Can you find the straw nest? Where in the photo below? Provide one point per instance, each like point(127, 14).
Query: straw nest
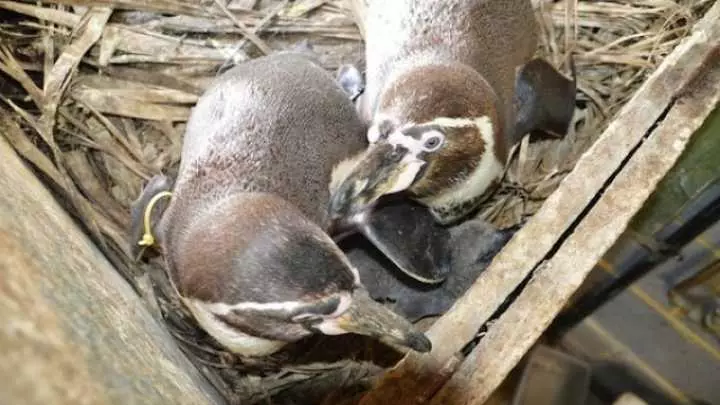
point(95, 98)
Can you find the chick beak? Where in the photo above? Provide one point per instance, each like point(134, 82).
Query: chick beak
point(382, 169)
point(369, 318)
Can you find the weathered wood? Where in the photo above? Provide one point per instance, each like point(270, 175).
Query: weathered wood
point(694, 171)
point(629, 398)
point(73, 331)
point(412, 381)
point(555, 281)
point(697, 168)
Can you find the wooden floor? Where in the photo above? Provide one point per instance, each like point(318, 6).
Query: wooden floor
point(636, 342)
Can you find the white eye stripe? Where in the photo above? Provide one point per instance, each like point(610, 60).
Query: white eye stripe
point(413, 145)
point(345, 302)
point(417, 146)
point(432, 133)
point(373, 134)
point(437, 137)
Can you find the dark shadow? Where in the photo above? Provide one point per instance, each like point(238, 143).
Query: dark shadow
point(612, 379)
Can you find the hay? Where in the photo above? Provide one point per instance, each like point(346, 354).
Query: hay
point(96, 100)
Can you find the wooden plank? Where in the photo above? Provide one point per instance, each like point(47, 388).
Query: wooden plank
point(697, 168)
point(555, 281)
point(416, 377)
point(73, 331)
point(629, 399)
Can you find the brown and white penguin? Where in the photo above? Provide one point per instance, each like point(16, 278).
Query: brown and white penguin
point(241, 228)
point(450, 86)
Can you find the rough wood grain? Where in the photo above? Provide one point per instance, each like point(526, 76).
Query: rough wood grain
point(556, 280)
point(411, 380)
point(73, 331)
point(629, 398)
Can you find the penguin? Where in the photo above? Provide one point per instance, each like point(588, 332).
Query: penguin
point(449, 87)
point(472, 246)
point(405, 232)
point(242, 228)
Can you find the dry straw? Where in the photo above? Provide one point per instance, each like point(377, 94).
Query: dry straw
point(95, 94)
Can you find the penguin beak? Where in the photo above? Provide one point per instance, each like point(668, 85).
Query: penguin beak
point(382, 169)
point(369, 318)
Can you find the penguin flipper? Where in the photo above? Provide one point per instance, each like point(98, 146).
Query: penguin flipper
point(408, 235)
point(544, 99)
point(143, 224)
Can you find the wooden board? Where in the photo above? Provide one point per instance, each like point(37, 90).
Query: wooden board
point(552, 285)
point(418, 377)
point(629, 399)
point(73, 331)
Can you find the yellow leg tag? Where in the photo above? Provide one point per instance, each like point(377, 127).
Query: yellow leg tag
point(148, 239)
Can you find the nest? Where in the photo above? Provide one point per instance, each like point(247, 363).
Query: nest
point(95, 95)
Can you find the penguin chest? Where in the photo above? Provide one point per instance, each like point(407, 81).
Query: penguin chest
point(466, 194)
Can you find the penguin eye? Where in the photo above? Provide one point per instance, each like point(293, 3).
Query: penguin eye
point(433, 142)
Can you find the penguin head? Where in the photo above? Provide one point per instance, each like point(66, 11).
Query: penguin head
point(257, 274)
point(434, 127)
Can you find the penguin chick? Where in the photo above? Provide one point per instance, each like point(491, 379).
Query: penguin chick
point(474, 245)
point(242, 234)
point(440, 99)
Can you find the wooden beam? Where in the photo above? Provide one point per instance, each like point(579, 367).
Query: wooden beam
point(557, 279)
point(73, 331)
point(416, 377)
point(629, 398)
point(697, 168)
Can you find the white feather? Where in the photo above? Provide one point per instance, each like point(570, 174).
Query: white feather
point(488, 169)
